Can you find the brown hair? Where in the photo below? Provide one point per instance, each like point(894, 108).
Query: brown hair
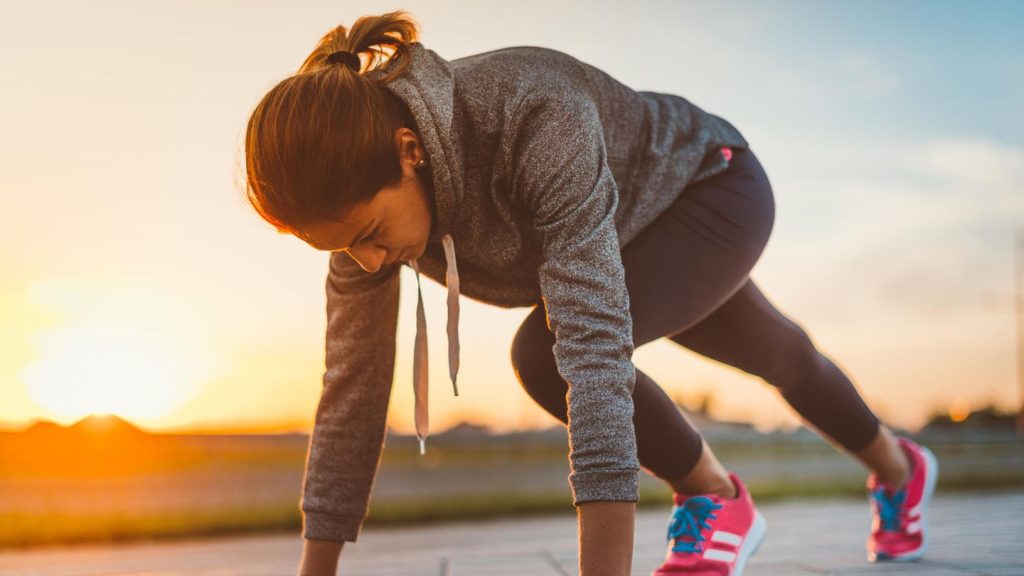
point(323, 139)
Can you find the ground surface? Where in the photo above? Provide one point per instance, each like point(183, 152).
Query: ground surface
point(979, 533)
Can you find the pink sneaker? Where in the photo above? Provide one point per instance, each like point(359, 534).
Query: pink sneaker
point(899, 523)
point(710, 535)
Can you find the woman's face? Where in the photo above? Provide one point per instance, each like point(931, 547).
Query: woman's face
point(393, 226)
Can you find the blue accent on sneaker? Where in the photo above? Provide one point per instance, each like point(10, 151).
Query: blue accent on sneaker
point(889, 507)
point(688, 520)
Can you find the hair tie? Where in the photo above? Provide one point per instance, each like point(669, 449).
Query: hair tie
point(344, 56)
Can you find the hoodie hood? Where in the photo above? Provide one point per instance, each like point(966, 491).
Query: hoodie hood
point(427, 88)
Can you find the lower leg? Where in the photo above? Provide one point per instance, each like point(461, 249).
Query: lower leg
point(830, 404)
point(708, 476)
point(750, 333)
point(883, 456)
point(670, 448)
point(886, 459)
point(830, 401)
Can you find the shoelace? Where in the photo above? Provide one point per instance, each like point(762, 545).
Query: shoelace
point(688, 520)
point(889, 507)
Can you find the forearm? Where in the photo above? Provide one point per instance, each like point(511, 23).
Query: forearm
point(606, 538)
point(319, 557)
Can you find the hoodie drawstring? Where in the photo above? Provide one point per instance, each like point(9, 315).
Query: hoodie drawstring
point(419, 365)
point(452, 281)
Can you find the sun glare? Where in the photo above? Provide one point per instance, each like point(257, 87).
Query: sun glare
point(959, 410)
point(111, 369)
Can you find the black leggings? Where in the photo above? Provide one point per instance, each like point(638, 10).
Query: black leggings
point(687, 275)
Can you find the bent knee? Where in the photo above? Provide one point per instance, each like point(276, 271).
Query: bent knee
point(794, 361)
point(531, 351)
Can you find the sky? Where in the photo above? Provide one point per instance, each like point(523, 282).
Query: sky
point(137, 280)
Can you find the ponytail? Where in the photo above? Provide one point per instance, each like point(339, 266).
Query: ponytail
point(369, 35)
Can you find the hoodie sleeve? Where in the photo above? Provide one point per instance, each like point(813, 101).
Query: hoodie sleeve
point(562, 177)
point(348, 433)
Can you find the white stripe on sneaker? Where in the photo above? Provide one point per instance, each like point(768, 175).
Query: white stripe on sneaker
point(724, 555)
point(727, 537)
point(913, 527)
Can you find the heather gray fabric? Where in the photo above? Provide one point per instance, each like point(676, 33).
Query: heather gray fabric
point(716, 230)
point(543, 168)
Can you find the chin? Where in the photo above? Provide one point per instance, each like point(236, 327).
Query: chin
point(416, 252)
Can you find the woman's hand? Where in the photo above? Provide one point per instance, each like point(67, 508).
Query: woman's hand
point(319, 557)
point(606, 538)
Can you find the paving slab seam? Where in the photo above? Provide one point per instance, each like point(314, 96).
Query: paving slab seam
point(550, 559)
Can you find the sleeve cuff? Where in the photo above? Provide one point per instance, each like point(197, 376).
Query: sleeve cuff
point(604, 486)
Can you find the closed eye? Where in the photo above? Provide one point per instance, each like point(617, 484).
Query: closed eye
point(372, 235)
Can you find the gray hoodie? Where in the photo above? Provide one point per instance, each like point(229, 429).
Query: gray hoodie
point(543, 167)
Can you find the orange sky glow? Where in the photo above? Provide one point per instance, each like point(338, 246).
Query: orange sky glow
point(138, 282)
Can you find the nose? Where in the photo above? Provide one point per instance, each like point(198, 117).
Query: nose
point(369, 258)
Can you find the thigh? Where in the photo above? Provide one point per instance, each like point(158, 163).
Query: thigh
point(749, 333)
point(698, 252)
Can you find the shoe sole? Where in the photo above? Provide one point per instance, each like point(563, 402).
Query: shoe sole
point(929, 488)
point(750, 545)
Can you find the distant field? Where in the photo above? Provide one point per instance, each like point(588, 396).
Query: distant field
point(164, 486)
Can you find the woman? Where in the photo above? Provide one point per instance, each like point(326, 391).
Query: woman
point(621, 216)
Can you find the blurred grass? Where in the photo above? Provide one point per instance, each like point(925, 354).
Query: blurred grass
point(59, 490)
point(99, 457)
point(18, 529)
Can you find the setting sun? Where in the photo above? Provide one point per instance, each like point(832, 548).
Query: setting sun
point(959, 410)
point(104, 369)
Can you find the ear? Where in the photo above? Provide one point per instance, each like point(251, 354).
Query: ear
point(410, 150)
